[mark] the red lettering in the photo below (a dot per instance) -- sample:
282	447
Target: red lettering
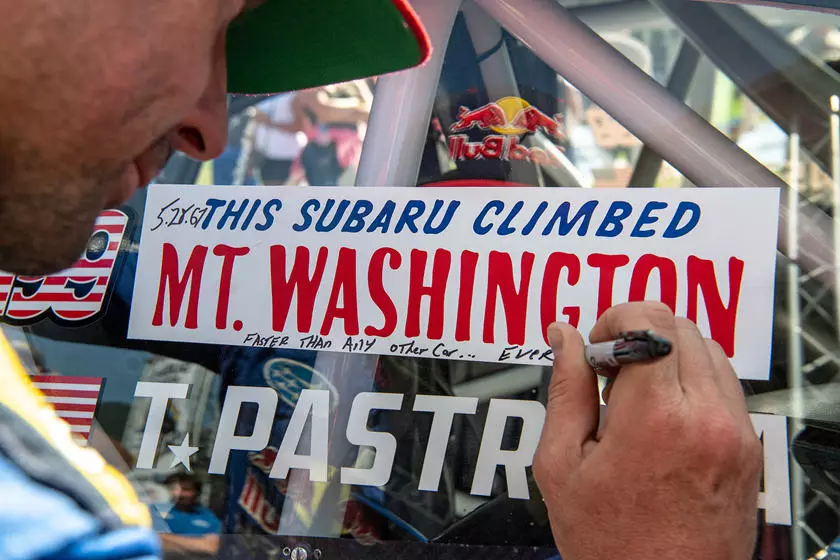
282	289
572	313
377	290
455	143
551	280
514	301
178	286
517	151
701	277
228	255
268	516
436	292
250	494
667	280
493	147
469	260
344	286
608	264
471	150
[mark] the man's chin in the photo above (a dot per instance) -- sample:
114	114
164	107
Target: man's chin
36	267
41	259
125	187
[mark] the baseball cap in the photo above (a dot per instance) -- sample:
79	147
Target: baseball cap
285	45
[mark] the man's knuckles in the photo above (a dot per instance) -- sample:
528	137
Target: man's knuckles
753	455
686	326
716	350
663	419
646	315
716	442
656	312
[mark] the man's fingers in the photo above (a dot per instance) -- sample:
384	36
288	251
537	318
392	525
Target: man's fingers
605	395
726	378
635	316
573	402
660	375
705	372
696	369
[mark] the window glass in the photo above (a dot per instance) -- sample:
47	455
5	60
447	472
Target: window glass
500	116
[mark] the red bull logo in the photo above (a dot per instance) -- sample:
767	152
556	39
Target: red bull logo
75	294
508	118
487	117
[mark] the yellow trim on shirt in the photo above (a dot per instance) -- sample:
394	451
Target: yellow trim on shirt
20	395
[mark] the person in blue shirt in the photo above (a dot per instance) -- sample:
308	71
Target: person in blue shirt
184	524
185	516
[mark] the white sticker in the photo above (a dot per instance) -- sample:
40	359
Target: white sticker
315	404
460	273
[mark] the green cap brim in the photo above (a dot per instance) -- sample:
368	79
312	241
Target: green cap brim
285	45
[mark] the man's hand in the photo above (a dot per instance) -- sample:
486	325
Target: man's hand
674	470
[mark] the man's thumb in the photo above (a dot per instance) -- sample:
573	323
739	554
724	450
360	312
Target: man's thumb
573	403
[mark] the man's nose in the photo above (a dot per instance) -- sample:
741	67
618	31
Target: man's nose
202	133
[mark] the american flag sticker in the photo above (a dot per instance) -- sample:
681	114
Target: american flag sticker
73	398
74	294
6	282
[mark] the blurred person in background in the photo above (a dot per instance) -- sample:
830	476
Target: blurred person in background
188	526
334	120
276	139
225	166
603	146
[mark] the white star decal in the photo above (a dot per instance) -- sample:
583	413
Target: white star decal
182	453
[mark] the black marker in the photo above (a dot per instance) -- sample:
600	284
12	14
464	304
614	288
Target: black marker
631	348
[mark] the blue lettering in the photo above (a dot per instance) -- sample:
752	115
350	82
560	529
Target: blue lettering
447	218
413	210
321	226
267	215
310	204
231	213
529	227
214	204
674	229
611	226
254	208
505	228
383	219
478	226
584	215
646	219
356	220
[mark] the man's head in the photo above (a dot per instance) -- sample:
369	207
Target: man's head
96	94
185	489
94	97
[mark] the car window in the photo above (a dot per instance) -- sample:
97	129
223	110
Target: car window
500	116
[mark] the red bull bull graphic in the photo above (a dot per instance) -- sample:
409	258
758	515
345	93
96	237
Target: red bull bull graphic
508	120
75	294
483	118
